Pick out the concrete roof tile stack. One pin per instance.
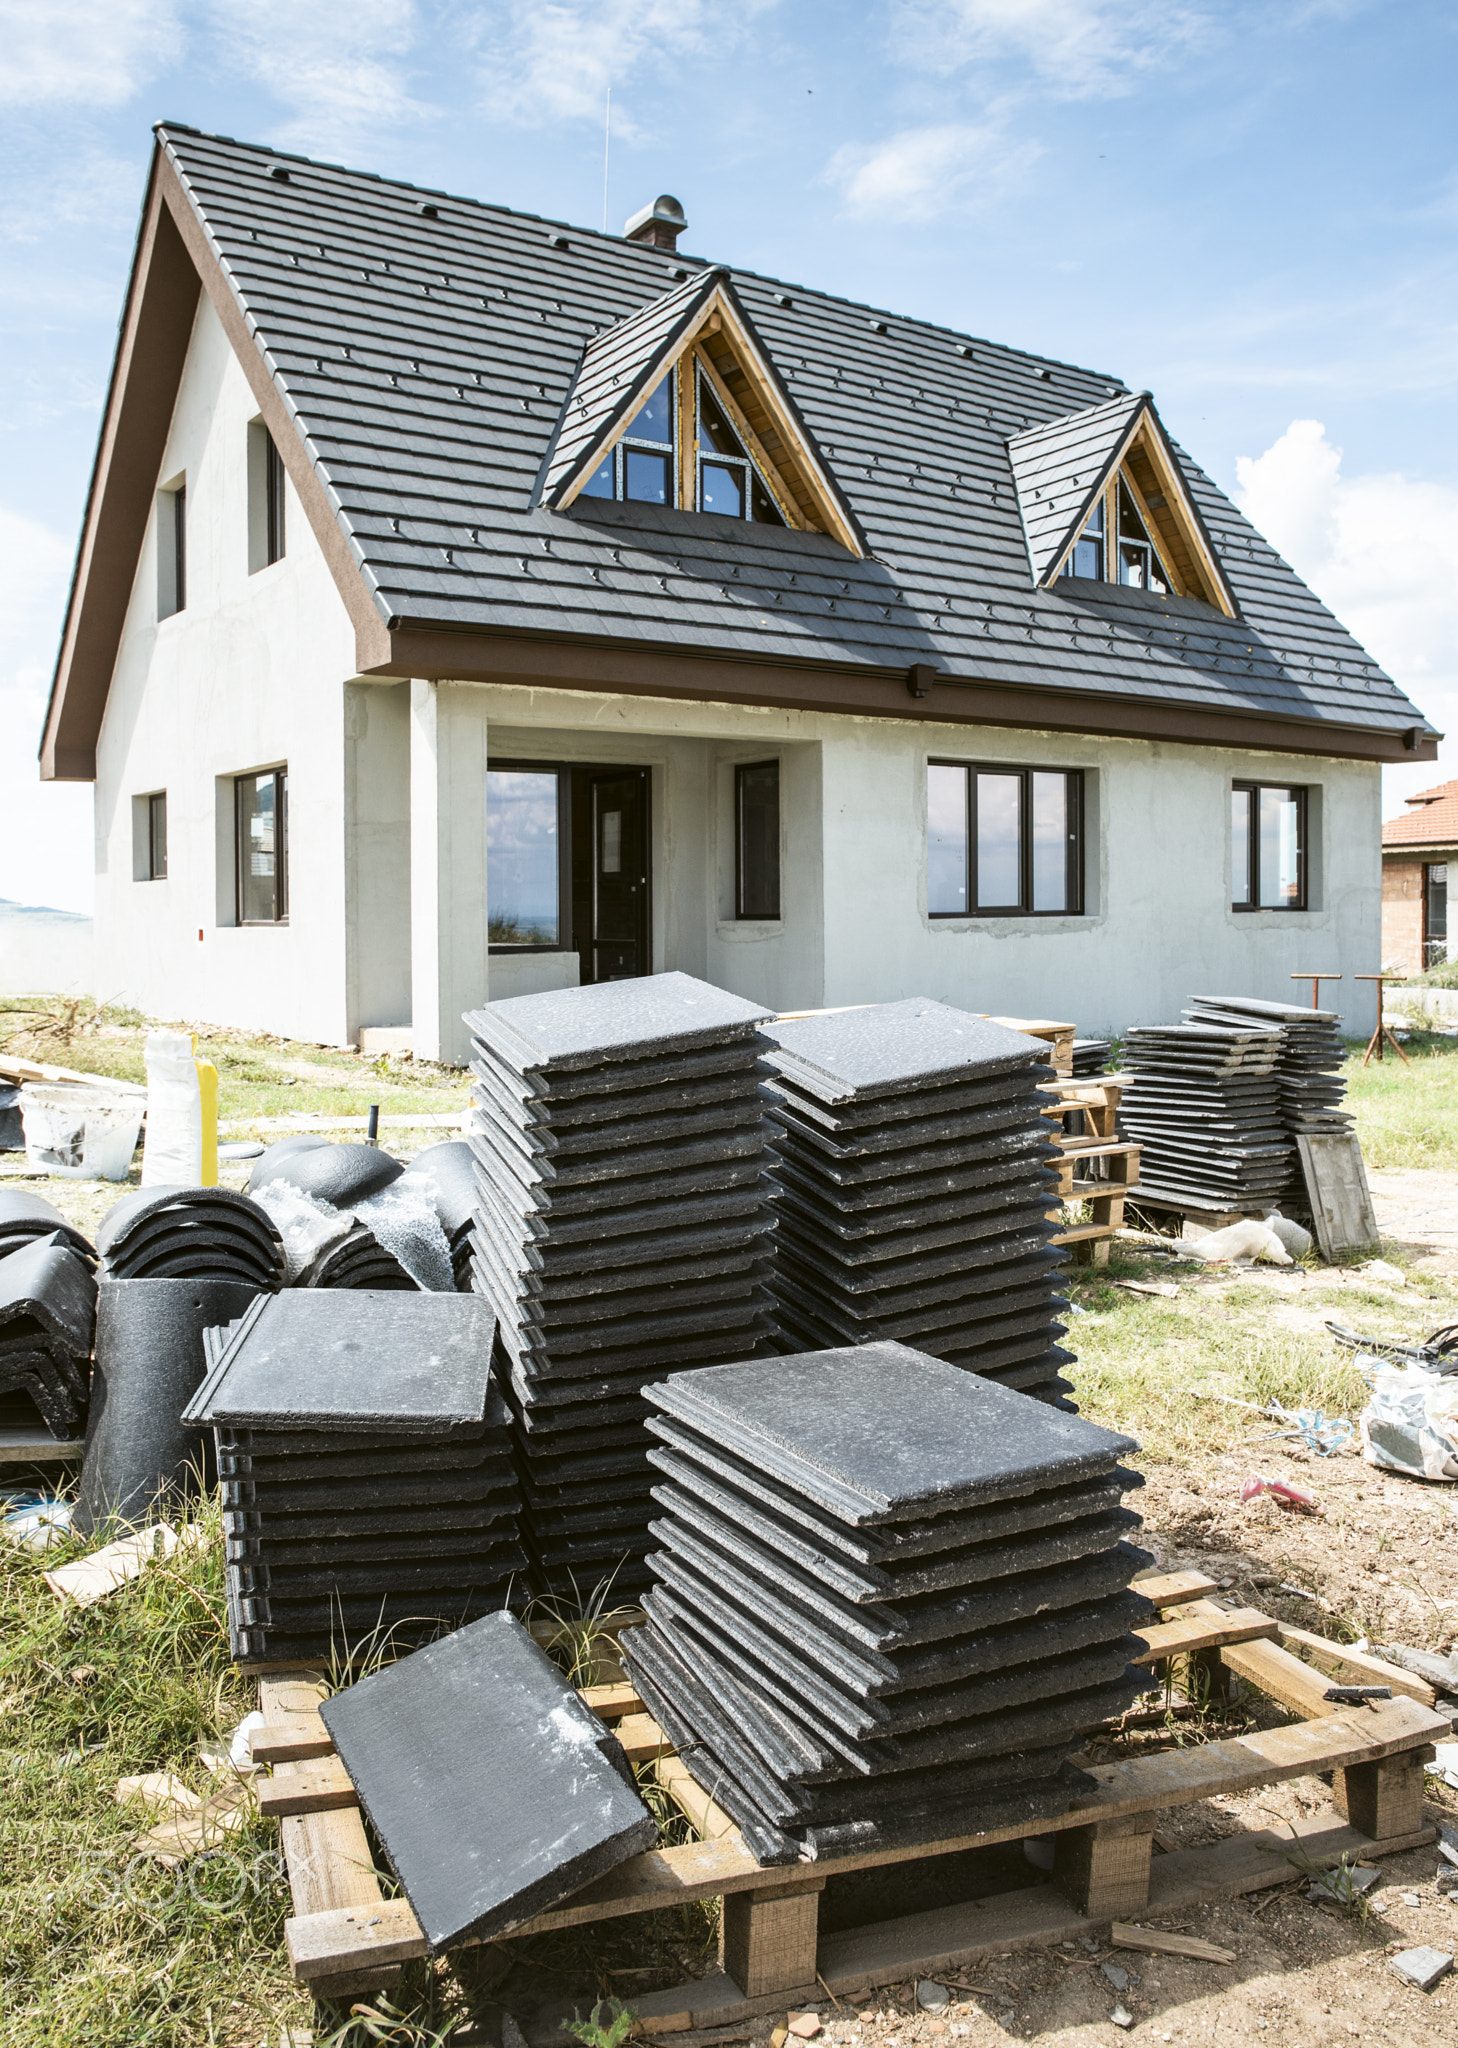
(890, 1597)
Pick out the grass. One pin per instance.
(1408, 1115)
(258, 1075)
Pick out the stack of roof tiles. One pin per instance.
(1203, 1099)
(909, 1152)
(176, 1233)
(1309, 1069)
(47, 1318)
(25, 1217)
(890, 1597)
(364, 1454)
(620, 1231)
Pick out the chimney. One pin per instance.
(659, 225)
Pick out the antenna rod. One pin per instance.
(607, 136)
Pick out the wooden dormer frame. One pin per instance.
(1144, 461)
(719, 343)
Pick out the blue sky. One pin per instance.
(1250, 208)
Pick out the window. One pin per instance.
(524, 846)
(1004, 842)
(712, 472)
(149, 837)
(1267, 847)
(172, 550)
(261, 808)
(265, 499)
(757, 839)
(1435, 913)
(1133, 558)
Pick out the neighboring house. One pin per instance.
(1416, 851)
(469, 604)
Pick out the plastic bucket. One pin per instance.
(81, 1133)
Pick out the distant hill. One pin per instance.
(44, 951)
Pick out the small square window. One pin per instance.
(648, 476)
(722, 485)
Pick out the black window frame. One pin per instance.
(743, 770)
(275, 540)
(1301, 793)
(642, 444)
(562, 771)
(280, 851)
(1074, 892)
(157, 815)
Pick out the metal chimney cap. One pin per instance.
(659, 224)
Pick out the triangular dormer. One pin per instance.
(1104, 499)
(681, 405)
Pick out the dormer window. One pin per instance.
(718, 470)
(1087, 558)
(1133, 560)
(641, 467)
(729, 483)
(1139, 564)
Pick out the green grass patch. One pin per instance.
(1407, 1115)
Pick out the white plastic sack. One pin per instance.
(404, 1219)
(1247, 1240)
(1411, 1423)
(1297, 1241)
(304, 1223)
(173, 1153)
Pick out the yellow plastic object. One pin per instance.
(207, 1088)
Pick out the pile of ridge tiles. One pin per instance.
(47, 1318)
(620, 1232)
(175, 1233)
(25, 1217)
(357, 1260)
(368, 1488)
(1203, 1099)
(1309, 1073)
(909, 1153)
(451, 1170)
(890, 1598)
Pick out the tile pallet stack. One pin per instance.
(910, 1154)
(368, 1486)
(620, 1232)
(1309, 1076)
(1203, 1100)
(890, 1601)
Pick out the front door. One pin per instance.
(610, 880)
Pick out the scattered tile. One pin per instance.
(1422, 1967)
(932, 1997)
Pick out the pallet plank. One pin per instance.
(1283, 1677)
(1356, 1667)
(1166, 1639)
(642, 1739)
(316, 1787)
(1171, 1589)
(292, 1731)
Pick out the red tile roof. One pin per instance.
(1431, 819)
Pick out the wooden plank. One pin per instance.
(1171, 1589)
(608, 1702)
(360, 1936)
(1336, 1188)
(292, 1730)
(642, 1738)
(1165, 1639)
(318, 1787)
(37, 1447)
(767, 1938)
(1155, 1943)
(692, 1800)
(91, 1578)
(1284, 1677)
(1356, 1667)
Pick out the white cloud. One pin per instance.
(1077, 49)
(555, 61)
(45, 828)
(1382, 551)
(83, 52)
(343, 69)
(922, 172)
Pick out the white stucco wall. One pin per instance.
(1157, 927)
(249, 676)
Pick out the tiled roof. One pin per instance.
(1430, 820)
(1059, 466)
(426, 355)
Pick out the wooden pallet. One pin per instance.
(1097, 1166)
(345, 1937)
(36, 1447)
